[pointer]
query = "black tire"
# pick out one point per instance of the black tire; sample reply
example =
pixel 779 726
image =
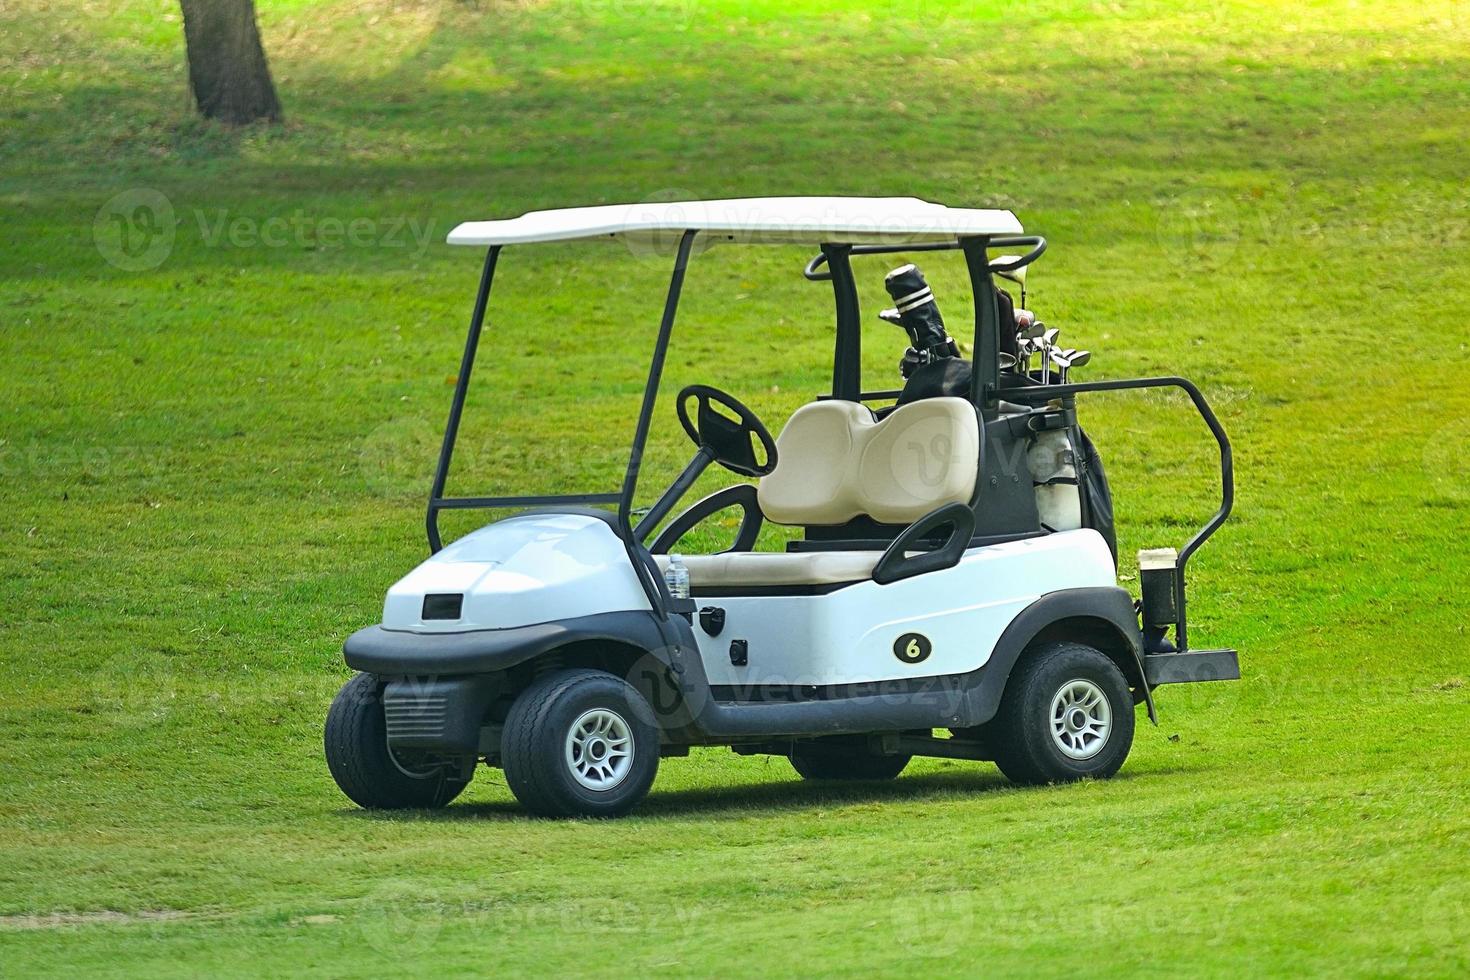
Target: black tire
pixel 844 757
pixel 1026 748
pixel 542 769
pixel 356 742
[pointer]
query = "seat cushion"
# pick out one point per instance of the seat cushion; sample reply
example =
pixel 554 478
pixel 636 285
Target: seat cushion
pixel 835 461
pixel 743 568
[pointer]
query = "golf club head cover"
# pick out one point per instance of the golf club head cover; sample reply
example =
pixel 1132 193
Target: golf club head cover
pixel 915 311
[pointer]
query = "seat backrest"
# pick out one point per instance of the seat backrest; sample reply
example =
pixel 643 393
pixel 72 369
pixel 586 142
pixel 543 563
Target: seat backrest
pixel 836 462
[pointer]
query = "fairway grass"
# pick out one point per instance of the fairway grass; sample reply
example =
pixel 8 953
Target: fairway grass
pixel 215 457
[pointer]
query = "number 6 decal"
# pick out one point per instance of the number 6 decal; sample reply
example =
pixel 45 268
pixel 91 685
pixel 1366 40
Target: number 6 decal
pixel 912 648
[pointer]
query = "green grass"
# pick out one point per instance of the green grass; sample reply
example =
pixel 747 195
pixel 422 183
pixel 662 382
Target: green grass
pixel 213 468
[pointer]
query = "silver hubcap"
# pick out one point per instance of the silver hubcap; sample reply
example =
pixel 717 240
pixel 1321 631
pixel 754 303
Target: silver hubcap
pixel 1081 719
pixel 599 749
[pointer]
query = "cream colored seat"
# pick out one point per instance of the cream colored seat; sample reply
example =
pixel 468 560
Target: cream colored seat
pixel 835 461
pixel 744 568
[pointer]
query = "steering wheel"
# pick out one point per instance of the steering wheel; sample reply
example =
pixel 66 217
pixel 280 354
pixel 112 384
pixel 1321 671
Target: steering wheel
pixel 726 440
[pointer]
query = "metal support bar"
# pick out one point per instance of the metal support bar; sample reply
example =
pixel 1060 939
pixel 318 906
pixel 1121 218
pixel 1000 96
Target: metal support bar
pixel 1036 242
pixel 1227 466
pixel 847 357
pixel 456 407
pixel 985 372
pixel 645 419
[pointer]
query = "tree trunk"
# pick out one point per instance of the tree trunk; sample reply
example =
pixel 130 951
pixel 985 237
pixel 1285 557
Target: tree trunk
pixel 227 70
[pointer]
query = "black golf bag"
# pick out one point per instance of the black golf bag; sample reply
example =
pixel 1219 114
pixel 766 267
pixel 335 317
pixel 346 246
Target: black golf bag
pixel 1071 485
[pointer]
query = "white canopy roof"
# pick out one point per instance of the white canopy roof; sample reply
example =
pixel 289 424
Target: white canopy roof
pixel 764 220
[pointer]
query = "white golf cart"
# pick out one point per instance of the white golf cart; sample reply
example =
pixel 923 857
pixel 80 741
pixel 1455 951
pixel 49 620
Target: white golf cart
pixel 955 569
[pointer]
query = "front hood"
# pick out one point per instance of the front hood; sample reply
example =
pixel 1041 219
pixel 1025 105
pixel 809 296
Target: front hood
pixel 533 568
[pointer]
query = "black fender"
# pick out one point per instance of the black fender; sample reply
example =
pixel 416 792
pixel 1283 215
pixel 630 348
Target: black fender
pixel 378 650
pixel 1108 606
pixel 667 673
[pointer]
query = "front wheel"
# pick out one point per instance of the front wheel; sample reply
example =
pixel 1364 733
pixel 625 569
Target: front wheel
pixel 1067 714
pixel 370 773
pixel 580 743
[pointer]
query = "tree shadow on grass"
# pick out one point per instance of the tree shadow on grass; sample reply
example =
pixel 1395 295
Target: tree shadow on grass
pixel 771 797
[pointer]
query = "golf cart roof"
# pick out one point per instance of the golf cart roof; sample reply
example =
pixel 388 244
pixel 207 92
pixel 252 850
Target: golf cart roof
pixel 753 220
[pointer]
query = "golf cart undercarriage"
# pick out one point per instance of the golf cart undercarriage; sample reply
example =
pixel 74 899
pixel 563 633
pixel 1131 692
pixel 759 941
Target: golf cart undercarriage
pixel 882 624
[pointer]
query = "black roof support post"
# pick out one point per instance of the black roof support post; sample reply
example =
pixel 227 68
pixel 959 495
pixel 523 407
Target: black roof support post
pixel 456 407
pixel 985 374
pixel 645 419
pixel 848 355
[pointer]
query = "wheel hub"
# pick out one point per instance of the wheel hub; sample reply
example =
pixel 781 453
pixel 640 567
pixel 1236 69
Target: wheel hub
pixel 1081 719
pixel 599 749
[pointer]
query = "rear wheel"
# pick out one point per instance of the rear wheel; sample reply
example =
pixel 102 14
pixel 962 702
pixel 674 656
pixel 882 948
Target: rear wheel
pixel 371 774
pixel 580 743
pixel 844 757
pixel 1066 714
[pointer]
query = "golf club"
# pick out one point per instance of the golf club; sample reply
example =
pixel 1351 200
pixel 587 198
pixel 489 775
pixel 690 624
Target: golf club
pixel 1073 358
pixel 1026 334
pixel 1078 359
pixel 1017 276
pixel 1048 342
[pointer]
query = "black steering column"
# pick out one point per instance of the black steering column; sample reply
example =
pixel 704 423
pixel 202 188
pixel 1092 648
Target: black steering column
pixel 718 438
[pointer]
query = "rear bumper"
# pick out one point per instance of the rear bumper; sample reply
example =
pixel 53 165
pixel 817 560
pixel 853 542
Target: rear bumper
pixel 1191 667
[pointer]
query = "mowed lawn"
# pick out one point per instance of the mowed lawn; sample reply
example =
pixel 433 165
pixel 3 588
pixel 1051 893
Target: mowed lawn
pixel 214 459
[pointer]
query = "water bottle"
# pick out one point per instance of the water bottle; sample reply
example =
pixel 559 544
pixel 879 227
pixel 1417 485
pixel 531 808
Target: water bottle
pixel 677 577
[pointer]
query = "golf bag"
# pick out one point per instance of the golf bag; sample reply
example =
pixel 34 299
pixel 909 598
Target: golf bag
pixel 1071 485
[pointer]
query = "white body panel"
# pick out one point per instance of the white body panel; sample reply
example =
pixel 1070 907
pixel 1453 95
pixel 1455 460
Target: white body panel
pixel 764 220
pixel 533 568
pixel 539 568
pixel 847 636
